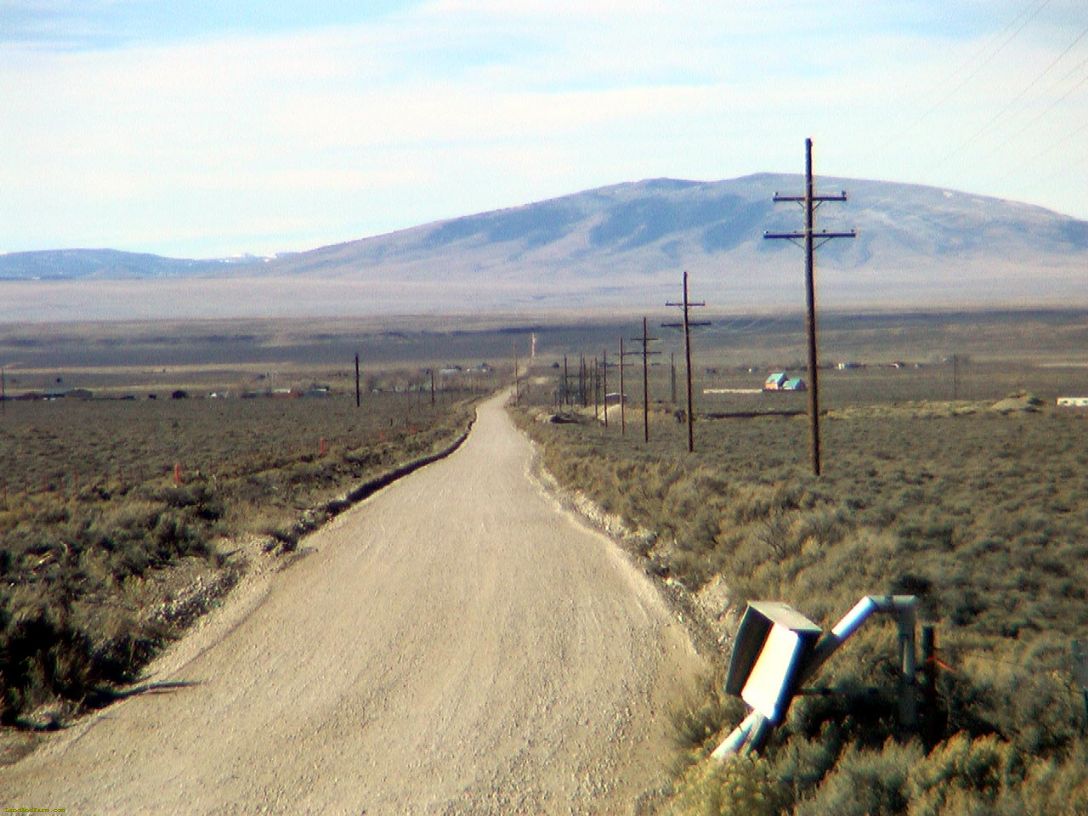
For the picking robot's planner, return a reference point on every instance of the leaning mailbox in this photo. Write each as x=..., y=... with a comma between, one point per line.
x=772, y=645
x=777, y=649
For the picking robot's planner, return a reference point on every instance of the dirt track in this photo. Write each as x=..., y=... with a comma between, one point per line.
x=455, y=644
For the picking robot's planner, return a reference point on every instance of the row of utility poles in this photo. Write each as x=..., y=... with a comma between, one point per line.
x=809, y=239
x=597, y=378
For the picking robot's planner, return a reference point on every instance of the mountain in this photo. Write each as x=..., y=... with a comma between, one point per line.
x=625, y=246
x=110, y=264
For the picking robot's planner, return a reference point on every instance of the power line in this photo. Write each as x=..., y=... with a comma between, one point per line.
x=1017, y=24
x=1052, y=105
x=974, y=136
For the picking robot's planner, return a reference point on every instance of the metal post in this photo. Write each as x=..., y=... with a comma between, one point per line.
x=929, y=691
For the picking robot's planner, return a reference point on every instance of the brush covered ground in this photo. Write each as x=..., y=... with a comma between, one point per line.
x=105, y=555
x=978, y=506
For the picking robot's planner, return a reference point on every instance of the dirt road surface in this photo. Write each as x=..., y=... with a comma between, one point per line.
x=455, y=644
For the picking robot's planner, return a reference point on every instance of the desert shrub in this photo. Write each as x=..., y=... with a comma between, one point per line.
x=700, y=717
x=90, y=511
x=744, y=786
x=983, y=517
x=865, y=783
x=964, y=775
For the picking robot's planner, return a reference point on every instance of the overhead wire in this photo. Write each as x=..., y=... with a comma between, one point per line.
x=1008, y=106
x=1017, y=24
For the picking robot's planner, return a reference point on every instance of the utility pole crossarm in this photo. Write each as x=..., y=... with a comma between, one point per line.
x=800, y=199
x=800, y=236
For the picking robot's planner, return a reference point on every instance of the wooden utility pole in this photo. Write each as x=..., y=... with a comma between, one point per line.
x=565, y=399
x=672, y=375
x=358, y=396
x=810, y=201
x=517, y=383
x=596, y=389
x=623, y=397
x=645, y=340
x=604, y=383
x=687, y=305
x=582, y=380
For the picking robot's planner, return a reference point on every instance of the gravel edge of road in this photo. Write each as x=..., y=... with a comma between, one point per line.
x=708, y=642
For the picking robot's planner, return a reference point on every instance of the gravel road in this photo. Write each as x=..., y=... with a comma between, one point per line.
x=454, y=644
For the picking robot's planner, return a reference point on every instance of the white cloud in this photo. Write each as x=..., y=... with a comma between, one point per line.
x=281, y=142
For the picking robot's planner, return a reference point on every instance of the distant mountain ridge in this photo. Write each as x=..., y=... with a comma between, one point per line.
x=112, y=264
x=619, y=245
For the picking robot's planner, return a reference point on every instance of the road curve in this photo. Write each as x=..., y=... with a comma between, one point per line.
x=454, y=644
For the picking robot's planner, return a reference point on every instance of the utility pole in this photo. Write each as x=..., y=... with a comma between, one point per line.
x=623, y=396
x=596, y=389
x=672, y=375
x=645, y=340
x=565, y=399
x=687, y=305
x=604, y=383
x=810, y=201
x=582, y=379
x=358, y=398
x=432, y=388
x=517, y=382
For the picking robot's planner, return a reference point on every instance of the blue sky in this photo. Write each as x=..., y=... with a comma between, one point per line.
x=203, y=129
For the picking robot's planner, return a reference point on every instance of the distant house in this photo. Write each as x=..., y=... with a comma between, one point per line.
x=847, y=366
x=614, y=398
x=1073, y=402
x=781, y=381
x=776, y=381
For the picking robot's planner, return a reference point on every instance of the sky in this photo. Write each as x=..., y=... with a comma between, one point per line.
x=197, y=129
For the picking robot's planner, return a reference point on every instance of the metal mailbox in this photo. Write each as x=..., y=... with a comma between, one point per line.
x=771, y=648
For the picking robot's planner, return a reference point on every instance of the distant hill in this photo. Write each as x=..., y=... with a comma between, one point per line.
x=109, y=264
x=625, y=246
